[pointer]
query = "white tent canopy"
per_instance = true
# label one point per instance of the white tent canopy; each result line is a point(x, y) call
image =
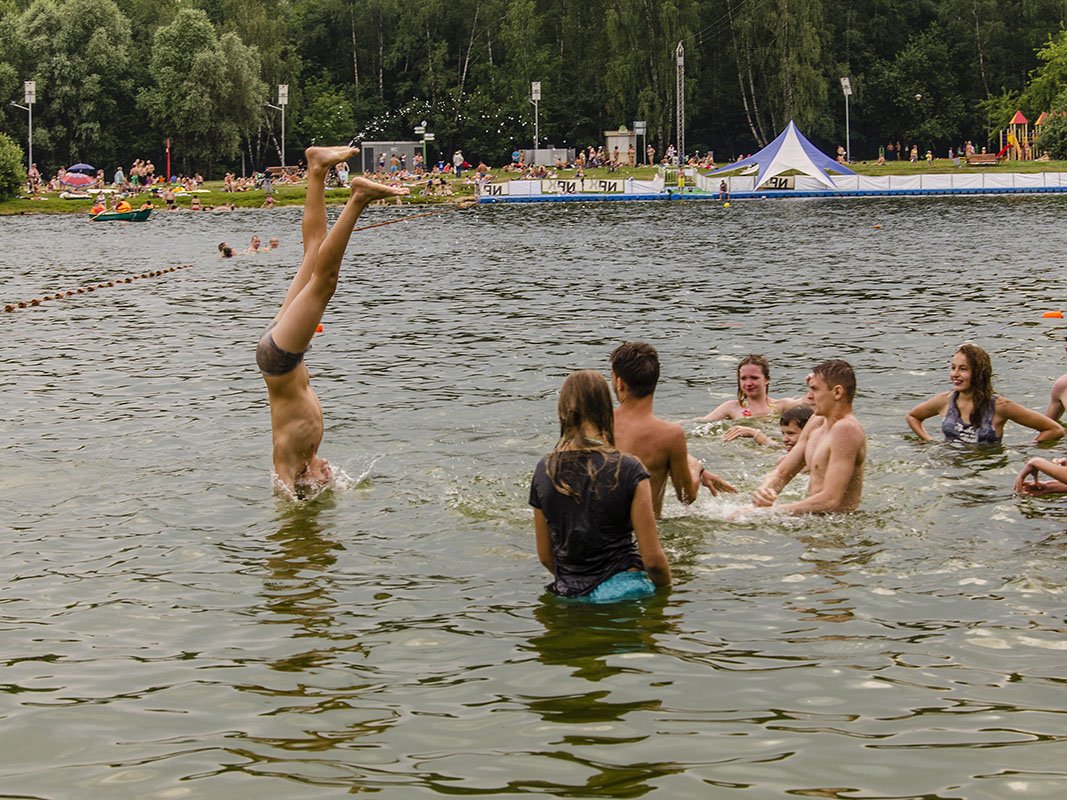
point(790, 151)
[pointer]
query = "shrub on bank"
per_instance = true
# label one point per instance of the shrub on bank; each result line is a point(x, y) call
point(12, 170)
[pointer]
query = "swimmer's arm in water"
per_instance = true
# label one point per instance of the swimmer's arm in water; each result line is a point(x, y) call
point(846, 444)
point(685, 484)
point(737, 431)
point(936, 405)
point(1056, 469)
point(786, 469)
point(544, 541)
point(702, 476)
point(643, 519)
point(1056, 399)
point(722, 411)
point(1047, 429)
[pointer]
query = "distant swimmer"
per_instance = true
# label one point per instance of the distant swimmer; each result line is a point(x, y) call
point(593, 518)
point(971, 411)
point(660, 445)
point(295, 412)
point(834, 448)
point(753, 400)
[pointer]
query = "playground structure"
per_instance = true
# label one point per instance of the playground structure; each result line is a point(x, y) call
point(1018, 142)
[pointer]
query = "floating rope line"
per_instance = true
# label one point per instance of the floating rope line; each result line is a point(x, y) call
point(92, 287)
point(452, 207)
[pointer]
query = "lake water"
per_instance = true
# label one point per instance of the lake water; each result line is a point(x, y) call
point(169, 629)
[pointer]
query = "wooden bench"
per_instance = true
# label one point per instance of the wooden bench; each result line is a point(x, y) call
point(982, 160)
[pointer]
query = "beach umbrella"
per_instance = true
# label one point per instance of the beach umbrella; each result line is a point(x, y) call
point(88, 169)
point(77, 179)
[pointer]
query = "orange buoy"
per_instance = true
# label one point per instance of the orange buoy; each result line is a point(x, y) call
point(1052, 315)
point(319, 328)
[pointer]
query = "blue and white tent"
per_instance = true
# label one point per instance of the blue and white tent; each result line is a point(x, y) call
point(788, 152)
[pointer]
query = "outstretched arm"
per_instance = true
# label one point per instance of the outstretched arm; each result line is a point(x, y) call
point(786, 469)
point(1034, 467)
point(722, 411)
point(738, 431)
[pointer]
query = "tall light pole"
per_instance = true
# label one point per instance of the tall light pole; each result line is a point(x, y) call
point(641, 129)
point(679, 55)
point(846, 87)
point(283, 101)
point(535, 98)
point(420, 130)
point(30, 90)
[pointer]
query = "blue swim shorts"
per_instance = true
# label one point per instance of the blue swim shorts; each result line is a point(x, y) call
point(620, 586)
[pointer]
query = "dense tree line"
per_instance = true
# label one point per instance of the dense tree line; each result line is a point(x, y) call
point(116, 78)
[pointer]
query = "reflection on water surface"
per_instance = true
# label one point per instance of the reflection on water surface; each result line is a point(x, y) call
point(172, 630)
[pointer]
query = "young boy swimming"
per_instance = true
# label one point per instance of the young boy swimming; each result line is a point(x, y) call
point(791, 422)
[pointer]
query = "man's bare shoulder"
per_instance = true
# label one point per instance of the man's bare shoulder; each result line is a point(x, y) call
point(1060, 386)
point(848, 432)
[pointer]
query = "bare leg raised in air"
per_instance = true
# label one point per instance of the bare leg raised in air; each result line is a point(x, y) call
point(295, 412)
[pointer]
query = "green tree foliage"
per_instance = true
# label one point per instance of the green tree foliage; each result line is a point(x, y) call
point(78, 52)
point(206, 92)
point(117, 77)
point(1054, 134)
point(12, 168)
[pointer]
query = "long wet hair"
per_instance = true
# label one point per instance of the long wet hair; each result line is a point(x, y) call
point(760, 362)
point(584, 402)
point(981, 381)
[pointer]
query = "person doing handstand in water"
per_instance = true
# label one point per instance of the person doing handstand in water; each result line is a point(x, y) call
point(295, 412)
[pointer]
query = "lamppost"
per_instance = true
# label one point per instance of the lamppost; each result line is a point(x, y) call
point(535, 98)
point(283, 101)
point(420, 130)
point(679, 55)
point(641, 129)
point(846, 87)
point(30, 90)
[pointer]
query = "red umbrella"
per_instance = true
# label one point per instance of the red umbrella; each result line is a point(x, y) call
point(77, 179)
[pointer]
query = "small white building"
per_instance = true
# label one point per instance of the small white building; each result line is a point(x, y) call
point(622, 138)
point(371, 154)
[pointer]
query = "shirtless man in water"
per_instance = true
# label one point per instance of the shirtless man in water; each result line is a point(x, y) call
point(295, 413)
point(658, 444)
point(833, 446)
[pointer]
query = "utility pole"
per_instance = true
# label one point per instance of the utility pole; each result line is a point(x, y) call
point(846, 87)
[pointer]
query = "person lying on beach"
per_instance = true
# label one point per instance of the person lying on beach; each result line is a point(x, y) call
point(594, 523)
point(295, 412)
point(834, 451)
point(753, 400)
point(791, 422)
point(971, 411)
point(660, 445)
point(1055, 468)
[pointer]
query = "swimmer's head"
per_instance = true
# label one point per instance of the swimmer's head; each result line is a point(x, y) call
point(585, 409)
point(637, 365)
point(273, 242)
point(836, 372)
point(792, 423)
point(753, 371)
point(255, 242)
point(316, 476)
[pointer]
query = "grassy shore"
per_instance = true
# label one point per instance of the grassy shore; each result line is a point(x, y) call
point(51, 203)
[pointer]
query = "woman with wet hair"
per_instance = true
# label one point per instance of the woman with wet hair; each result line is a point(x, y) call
point(971, 411)
point(593, 516)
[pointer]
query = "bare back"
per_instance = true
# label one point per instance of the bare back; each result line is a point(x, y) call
point(659, 445)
